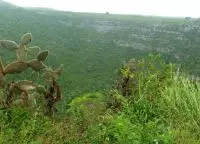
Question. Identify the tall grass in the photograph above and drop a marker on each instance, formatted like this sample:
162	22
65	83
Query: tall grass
180	106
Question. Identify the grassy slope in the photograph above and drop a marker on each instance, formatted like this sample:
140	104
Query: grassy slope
92	46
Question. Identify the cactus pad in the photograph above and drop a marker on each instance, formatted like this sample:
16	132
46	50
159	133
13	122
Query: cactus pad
9	45
21	52
16	67
36	65
26	39
42	55
26	85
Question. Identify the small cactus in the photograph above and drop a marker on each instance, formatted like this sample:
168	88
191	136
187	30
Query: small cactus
36	65
26	39
9	45
16	67
42	55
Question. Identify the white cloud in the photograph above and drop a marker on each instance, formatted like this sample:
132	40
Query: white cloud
146	7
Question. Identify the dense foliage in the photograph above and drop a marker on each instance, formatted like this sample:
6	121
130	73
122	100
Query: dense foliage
163	107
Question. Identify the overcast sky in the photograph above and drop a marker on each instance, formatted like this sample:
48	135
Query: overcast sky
176	8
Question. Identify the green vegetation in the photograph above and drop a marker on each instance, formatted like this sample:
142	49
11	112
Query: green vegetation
161	106
108	97
93	46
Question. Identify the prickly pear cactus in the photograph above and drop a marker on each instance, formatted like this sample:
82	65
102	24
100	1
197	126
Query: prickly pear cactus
27	89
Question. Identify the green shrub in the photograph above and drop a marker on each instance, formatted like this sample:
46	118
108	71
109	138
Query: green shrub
86	110
20	127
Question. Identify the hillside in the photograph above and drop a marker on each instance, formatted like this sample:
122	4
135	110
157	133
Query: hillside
122	82
92	46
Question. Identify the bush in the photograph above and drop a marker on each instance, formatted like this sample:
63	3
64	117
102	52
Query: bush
21	127
86	110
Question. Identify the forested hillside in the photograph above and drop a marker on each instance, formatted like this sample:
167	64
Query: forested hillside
125	79
92	46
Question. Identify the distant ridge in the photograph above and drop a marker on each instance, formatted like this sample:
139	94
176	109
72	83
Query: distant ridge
7	5
4	4
41	8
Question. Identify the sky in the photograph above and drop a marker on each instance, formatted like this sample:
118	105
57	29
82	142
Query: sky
172	8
